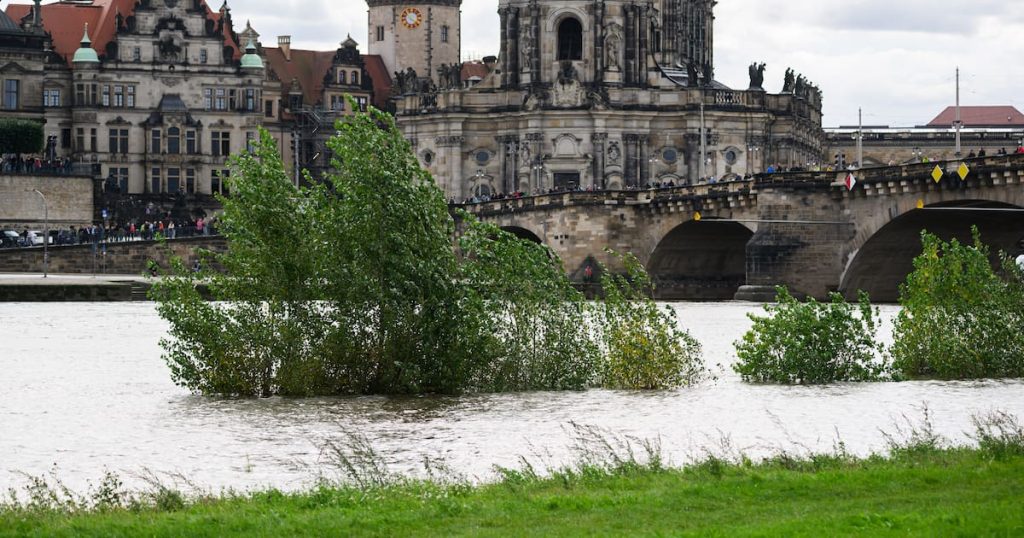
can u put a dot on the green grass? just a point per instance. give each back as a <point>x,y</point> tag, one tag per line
<point>927,492</point>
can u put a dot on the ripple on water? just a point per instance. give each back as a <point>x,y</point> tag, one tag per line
<point>86,389</point>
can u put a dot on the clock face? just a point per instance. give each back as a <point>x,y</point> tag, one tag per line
<point>412,18</point>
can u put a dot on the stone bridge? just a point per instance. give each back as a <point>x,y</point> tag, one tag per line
<point>804,230</point>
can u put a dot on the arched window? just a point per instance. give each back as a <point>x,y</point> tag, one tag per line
<point>355,78</point>
<point>570,39</point>
<point>341,77</point>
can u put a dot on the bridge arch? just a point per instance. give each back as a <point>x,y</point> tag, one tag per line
<point>882,255</point>
<point>700,260</point>
<point>523,233</point>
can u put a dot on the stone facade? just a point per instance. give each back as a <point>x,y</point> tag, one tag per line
<point>129,258</point>
<point>166,90</point>
<point>69,201</point>
<point>421,35</point>
<point>606,94</point>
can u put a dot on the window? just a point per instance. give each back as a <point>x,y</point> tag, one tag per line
<point>190,142</point>
<point>51,98</point>
<point>11,94</point>
<point>250,141</point>
<point>105,101</point>
<point>337,103</point>
<point>570,39</point>
<point>131,96</point>
<point>233,100</point>
<point>173,142</point>
<point>120,176</point>
<point>65,138</point>
<point>444,34</point>
<point>190,180</point>
<point>137,54</point>
<point>380,33</point>
<point>361,101</point>
<point>155,141</point>
<point>341,77</point>
<point>155,182</point>
<point>80,139</point>
<point>173,179</point>
<point>119,141</point>
<point>355,78</point>
<point>218,181</point>
<point>250,100</point>
<point>220,143</point>
<point>79,94</point>
<point>203,56</point>
<point>219,103</point>
<point>207,98</point>
<point>119,96</point>
<point>93,144</point>
<point>268,108</point>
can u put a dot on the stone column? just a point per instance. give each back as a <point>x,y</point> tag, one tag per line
<point>629,45</point>
<point>642,30</point>
<point>535,52</point>
<point>599,140</point>
<point>504,50</point>
<point>513,47</point>
<point>599,59</point>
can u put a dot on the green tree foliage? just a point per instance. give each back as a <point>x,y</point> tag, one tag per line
<point>812,343</point>
<point>354,286</point>
<point>960,319</point>
<point>20,136</point>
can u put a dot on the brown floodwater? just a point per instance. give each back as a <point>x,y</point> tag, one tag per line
<point>83,390</point>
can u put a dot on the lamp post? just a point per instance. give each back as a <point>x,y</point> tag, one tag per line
<point>478,177</point>
<point>752,151</point>
<point>538,171</point>
<point>652,160</point>
<point>917,153</point>
<point>46,234</point>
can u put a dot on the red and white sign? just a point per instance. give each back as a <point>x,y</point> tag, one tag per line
<point>850,182</point>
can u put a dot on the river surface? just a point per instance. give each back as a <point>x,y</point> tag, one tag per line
<point>83,390</point>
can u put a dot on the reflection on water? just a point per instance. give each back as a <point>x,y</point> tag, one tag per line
<point>84,389</point>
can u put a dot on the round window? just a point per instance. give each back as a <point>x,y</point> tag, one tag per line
<point>670,155</point>
<point>731,156</point>
<point>428,158</point>
<point>482,157</point>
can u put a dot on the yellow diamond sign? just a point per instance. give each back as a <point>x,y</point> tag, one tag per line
<point>937,174</point>
<point>963,171</point>
<point>697,216</point>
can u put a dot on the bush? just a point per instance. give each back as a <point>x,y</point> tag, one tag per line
<point>20,136</point>
<point>812,342</point>
<point>960,319</point>
<point>352,286</point>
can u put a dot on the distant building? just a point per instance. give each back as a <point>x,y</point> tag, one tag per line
<point>606,95</point>
<point>988,128</point>
<point>155,95</point>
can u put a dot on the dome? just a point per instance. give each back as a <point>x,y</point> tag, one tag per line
<point>86,54</point>
<point>251,60</point>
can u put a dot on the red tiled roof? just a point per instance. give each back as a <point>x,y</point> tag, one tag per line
<point>981,116</point>
<point>475,69</point>
<point>66,23</point>
<point>308,66</point>
<point>381,79</point>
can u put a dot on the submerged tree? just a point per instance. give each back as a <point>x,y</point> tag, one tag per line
<point>353,286</point>
<point>960,319</point>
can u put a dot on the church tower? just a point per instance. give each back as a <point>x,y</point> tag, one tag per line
<point>417,34</point>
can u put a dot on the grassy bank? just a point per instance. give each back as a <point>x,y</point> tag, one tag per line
<point>920,490</point>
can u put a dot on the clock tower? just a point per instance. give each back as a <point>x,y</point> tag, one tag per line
<point>417,34</point>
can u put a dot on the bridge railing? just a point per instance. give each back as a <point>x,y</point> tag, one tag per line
<point>915,171</point>
<point>610,197</point>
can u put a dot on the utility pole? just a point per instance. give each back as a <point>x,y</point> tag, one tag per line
<point>958,123</point>
<point>860,138</point>
<point>46,234</point>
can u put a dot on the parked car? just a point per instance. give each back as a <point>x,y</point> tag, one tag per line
<point>10,239</point>
<point>36,238</point>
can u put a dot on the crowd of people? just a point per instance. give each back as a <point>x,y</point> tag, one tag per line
<point>116,232</point>
<point>657,185</point>
<point>16,164</point>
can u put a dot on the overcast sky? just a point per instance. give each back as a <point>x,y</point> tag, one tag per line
<point>894,58</point>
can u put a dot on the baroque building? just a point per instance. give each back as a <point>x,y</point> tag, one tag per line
<point>155,95</point>
<point>603,94</point>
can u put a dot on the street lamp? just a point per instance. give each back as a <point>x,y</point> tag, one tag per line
<point>917,153</point>
<point>650,170</point>
<point>46,234</point>
<point>538,170</point>
<point>752,151</point>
